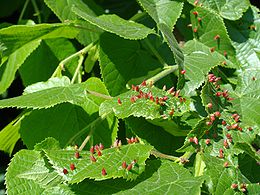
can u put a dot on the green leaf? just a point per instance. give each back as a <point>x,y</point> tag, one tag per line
<point>247,95</point>
<point>14,37</point>
<point>154,135</point>
<point>244,35</point>
<point>20,42</point>
<point>173,44</point>
<point>48,144</point>
<point>9,135</point>
<point>163,11</point>
<point>249,167</point>
<point>38,68</point>
<point>15,60</point>
<point>231,10</point>
<point>199,165</point>
<point>115,24</point>
<point>121,61</point>
<point>88,33</point>
<point>72,121</point>
<point>52,82</point>
<point>111,160</point>
<point>221,178</point>
<point>21,162</point>
<point>144,106</point>
<point>248,150</point>
<point>47,98</point>
<point>210,26</point>
<point>41,174</point>
<point>198,62</point>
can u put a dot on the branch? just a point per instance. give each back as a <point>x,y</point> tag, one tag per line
<point>167,70</point>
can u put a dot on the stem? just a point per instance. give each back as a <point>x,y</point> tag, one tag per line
<point>23,10</point>
<point>37,11</point>
<point>155,52</point>
<point>66,60</point>
<point>99,94</point>
<point>81,59</point>
<point>185,157</point>
<point>82,131</point>
<point>138,16</point>
<point>167,70</point>
<point>86,139</point>
<point>161,155</point>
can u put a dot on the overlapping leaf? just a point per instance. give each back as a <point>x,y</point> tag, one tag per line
<point>88,33</point>
<point>143,103</point>
<point>72,121</point>
<point>231,10</point>
<point>198,62</point>
<point>121,61</point>
<point>247,97</point>
<point>116,25</point>
<point>160,177</point>
<point>21,41</point>
<point>163,11</point>
<point>210,26</point>
<point>245,38</point>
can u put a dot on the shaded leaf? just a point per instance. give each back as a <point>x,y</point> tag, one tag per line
<point>121,61</point>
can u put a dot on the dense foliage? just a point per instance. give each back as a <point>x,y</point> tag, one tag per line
<point>133,97</point>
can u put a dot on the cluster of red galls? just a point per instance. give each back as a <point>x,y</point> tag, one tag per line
<point>97,149</point>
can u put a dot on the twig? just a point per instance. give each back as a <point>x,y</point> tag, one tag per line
<point>81,59</point>
<point>99,94</point>
<point>37,11</point>
<point>86,139</point>
<point>23,10</point>
<point>66,60</point>
<point>167,70</point>
<point>161,155</point>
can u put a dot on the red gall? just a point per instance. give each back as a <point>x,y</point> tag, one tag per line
<point>250,128</point>
<point>195,30</point>
<point>124,165</point>
<point>207,141</point>
<point>234,186</point>
<point>77,154</point>
<point>104,172</point>
<point>228,135</point>
<point>199,19</point>
<point>225,143</point>
<point>212,49</point>
<point>72,166</point>
<point>143,83</point>
<point>195,13</point>
<point>217,114</point>
<point>226,164</point>
<point>223,122</point>
<point>101,146</point>
<point>65,171</point>
<point>209,105</point>
<point>92,150</point>
<point>93,159</point>
<point>217,37</point>
<point>129,167</point>
<point>99,153</point>
<point>119,101</point>
<point>195,140</point>
<point>183,71</point>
